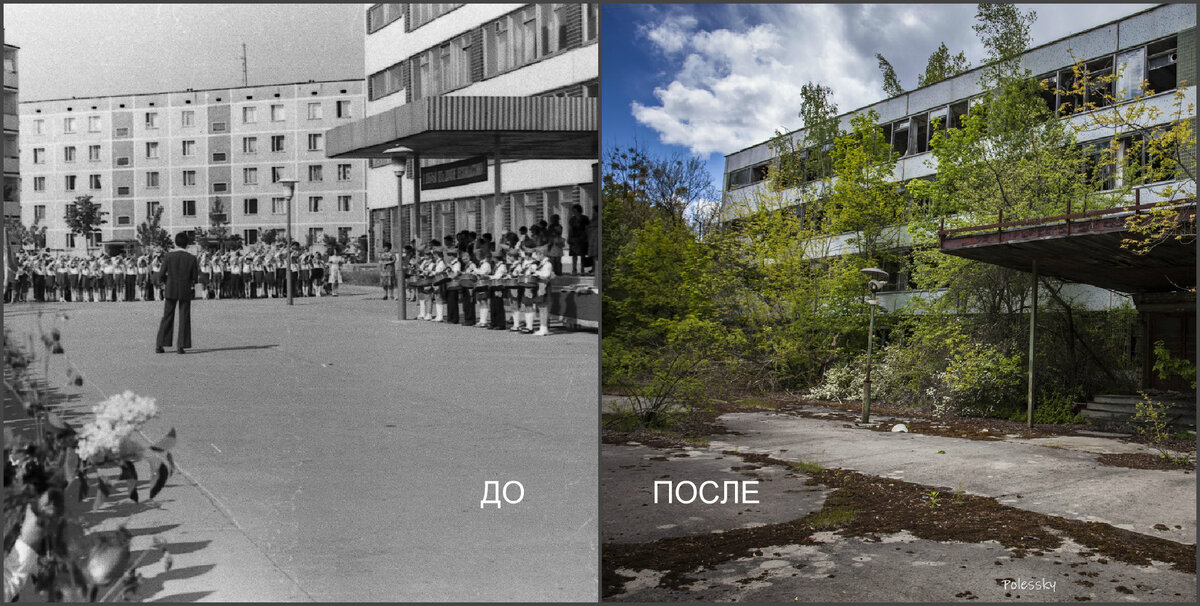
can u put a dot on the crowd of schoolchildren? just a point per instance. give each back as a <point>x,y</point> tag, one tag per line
<point>473,280</point>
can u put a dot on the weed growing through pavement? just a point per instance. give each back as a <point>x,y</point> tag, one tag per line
<point>958,494</point>
<point>831,518</point>
<point>933,494</point>
<point>808,467</point>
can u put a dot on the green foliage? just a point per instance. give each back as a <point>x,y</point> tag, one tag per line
<point>828,518</point>
<point>942,66</point>
<point>1054,407</point>
<point>891,83</point>
<point>932,496</point>
<point>1151,421</point>
<point>1167,365</point>
<point>150,232</point>
<point>83,216</point>
<point>809,467</point>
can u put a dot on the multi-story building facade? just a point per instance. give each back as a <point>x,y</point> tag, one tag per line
<point>195,153</point>
<point>12,163</point>
<point>487,54</point>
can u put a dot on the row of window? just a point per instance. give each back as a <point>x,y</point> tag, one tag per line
<point>316,142</point>
<point>187,118</point>
<point>517,39</point>
<point>316,174</point>
<point>381,15</point>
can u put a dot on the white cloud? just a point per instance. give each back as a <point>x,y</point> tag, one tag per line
<point>733,88</point>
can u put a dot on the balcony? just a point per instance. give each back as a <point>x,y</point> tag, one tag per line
<point>10,79</point>
<point>12,166</point>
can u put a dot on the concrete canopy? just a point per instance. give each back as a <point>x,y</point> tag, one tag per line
<point>518,128</point>
<point>1081,249</point>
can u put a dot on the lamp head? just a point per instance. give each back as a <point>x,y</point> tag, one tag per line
<point>399,159</point>
<point>875,273</point>
<point>290,184</point>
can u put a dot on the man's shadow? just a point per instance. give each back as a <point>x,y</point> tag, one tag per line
<point>239,348</point>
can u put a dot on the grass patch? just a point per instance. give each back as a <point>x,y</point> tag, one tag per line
<point>808,466</point>
<point>831,518</point>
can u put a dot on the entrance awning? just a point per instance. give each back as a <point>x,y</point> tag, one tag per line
<point>518,128</point>
<point>1083,248</point>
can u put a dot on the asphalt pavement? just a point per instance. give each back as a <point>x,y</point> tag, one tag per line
<point>328,452</point>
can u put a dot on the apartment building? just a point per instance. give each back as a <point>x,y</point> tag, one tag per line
<point>200,156</point>
<point>12,163</point>
<point>497,105</point>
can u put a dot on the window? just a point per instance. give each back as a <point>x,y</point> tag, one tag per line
<point>220,187</point>
<point>250,176</point>
<point>385,82</point>
<point>187,119</point>
<point>151,208</point>
<point>39,155</point>
<point>314,142</point>
<point>189,178</point>
<point>553,28</point>
<point>70,240</point>
<point>94,238</point>
<point>151,120</point>
<point>425,12</point>
<point>250,206</point>
<point>343,109</point>
<point>93,181</point>
<point>277,114</point>
<point>39,127</point>
<point>444,68</point>
<point>69,183</point>
<point>343,172</point>
<point>250,236</point>
<point>189,148</point>
<point>381,15</point>
<point>39,213</point>
<point>152,149</point>
<point>124,220</point>
<point>277,143</point>
<point>278,206</point>
<point>189,208</point>
<point>314,110</point>
<point>344,204</point>
<point>39,184</point>
<point>1161,63</point>
<point>123,161</point>
<point>93,153</point>
<point>122,132</point>
<point>315,234</point>
<point>314,172</point>
<point>123,190</point>
<point>249,145</point>
<point>344,233</point>
<point>152,179</point>
<point>276,174</point>
<point>218,127</point>
<point>591,21</point>
<point>69,153</point>
<point>69,125</point>
<point>93,124</point>
<point>249,115</point>
<point>219,156</point>
<point>314,204</point>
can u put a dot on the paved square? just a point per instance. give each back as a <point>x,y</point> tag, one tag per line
<point>338,455</point>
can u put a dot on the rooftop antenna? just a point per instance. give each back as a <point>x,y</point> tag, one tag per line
<point>245,78</point>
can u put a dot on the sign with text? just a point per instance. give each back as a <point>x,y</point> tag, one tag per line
<point>471,170</point>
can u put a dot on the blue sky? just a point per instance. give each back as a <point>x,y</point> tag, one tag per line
<point>711,79</point>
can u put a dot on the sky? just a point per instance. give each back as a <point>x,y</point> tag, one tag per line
<point>711,79</point>
<point>111,49</point>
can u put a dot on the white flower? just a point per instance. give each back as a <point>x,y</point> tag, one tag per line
<point>116,419</point>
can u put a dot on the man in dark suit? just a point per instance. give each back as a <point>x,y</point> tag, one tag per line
<point>179,273</point>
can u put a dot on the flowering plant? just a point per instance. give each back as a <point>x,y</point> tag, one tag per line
<point>107,437</point>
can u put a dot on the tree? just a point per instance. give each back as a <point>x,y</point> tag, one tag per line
<point>84,216</point>
<point>31,235</point>
<point>150,232</point>
<point>1004,31</point>
<point>864,200</point>
<point>891,83</point>
<point>942,66</point>
<point>808,161</point>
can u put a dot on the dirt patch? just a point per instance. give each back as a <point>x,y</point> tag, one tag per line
<point>870,507</point>
<point>1145,460</point>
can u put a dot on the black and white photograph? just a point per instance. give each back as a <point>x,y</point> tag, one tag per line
<point>899,303</point>
<point>301,302</point>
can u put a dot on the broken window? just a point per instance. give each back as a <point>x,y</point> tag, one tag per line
<point>1099,166</point>
<point>957,112</point>
<point>1161,64</point>
<point>900,137</point>
<point>919,141</point>
<point>939,121</point>
<point>1069,103</point>
<point>758,172</point>
<point>739,178</point>
<point>1049,84</point>
<point>1100,84</point>
<point>886,130</point>
<point>1131,71</point>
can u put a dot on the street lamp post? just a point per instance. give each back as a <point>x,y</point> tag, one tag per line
<point>290,184</point>
<point>399,165</point>
<point>878,280</point>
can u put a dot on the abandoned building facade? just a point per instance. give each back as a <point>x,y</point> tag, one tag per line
<point>1156,45</point>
